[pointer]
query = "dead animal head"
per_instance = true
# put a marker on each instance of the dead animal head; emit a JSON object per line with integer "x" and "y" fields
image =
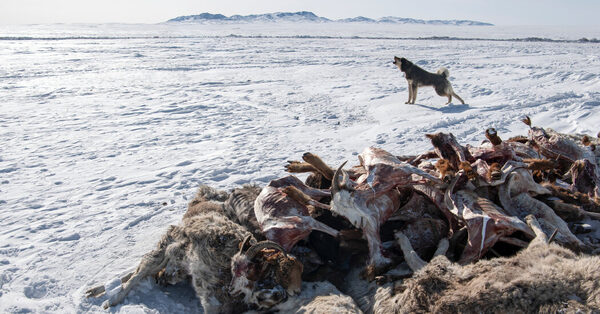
{"x": 264, "y": 273}
{"x": 344, "y": 184}
{"x": 445, "y": 169}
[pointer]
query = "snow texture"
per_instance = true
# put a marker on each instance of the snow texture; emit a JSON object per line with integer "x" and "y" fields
{"x": 107, "y": 130}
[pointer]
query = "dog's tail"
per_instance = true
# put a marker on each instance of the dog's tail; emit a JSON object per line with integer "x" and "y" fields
{"x": 443, "y": 72}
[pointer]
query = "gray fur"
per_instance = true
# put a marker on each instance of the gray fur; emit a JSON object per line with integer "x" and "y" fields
{"x": 200, "y": 248}
{"x": 541, "y": 278}
{"x": 240, "y": 205}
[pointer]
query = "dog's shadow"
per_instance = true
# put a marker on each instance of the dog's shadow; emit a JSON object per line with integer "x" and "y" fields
{"x": 447, "y": 108}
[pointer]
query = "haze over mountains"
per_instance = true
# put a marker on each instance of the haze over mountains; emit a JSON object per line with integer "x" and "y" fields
{"x": 305, "y": 16}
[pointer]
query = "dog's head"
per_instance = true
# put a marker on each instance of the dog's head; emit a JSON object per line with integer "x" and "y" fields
{"x": 402, "y": 63}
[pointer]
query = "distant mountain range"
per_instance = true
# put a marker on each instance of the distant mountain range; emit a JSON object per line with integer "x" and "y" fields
{"x": 305, "y": 16}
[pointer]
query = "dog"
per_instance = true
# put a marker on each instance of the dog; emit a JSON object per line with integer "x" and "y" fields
{"x": 417, "y": 77}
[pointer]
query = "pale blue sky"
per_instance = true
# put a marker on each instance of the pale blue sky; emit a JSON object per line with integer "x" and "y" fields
{"x": 499, "y": 12}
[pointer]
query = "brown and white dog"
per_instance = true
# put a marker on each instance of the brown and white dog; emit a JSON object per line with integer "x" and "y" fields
{"x": 417, "y": 77}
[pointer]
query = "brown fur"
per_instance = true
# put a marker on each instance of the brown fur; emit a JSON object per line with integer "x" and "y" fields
{"x": 466, "y": 167}
{"x": 207, "y": 199}
{"x": 493, "y": 137}
{"x": 445, "y": 169}
{"x": 587, "y": 203}
{"x": 585, "y": 140}
{"x": 542, "y": 169}
{"x": 288, "y": 271}
{"x": 297, "y": 195}
{"x": 518, "y": 139}
{"x": 319, "y": 164}
{"x": 540, "y": 164}
{"x": 540, "y": 277}
{"x": 294, "y": 166}
{"x": 200, "y": 248}
{"x": 494, "y": 172}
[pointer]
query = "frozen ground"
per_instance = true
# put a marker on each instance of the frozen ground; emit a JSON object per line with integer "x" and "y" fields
{"x": 104, "y": 139}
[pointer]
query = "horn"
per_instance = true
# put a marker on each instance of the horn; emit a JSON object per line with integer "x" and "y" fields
{"x": 245, "y": 243}
{"x": 253, "y": 250}
{"x": 335, "y": 183}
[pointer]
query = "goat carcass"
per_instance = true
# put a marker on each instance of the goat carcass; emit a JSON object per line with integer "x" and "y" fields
{"x": 282, "y": 213}
{"x": 515, "y": 199}
{"x": 486, "y": 223}
{"x": 373, "y": 198}
{"x": 555, "y": 145}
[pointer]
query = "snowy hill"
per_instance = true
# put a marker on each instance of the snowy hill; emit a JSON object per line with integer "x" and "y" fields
{"x": 302, "y": 16}
{"x": 305, "y": 16}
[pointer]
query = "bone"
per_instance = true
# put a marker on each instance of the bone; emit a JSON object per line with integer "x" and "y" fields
{"x": 410, "y": 256}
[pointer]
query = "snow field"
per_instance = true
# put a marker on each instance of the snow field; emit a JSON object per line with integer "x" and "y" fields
{"x": 105, "y": 140}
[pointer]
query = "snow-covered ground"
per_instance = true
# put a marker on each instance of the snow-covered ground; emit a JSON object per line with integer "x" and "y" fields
{"x": 104, "y": 139}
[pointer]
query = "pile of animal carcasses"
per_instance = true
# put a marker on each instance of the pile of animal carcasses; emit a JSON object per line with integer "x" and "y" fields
{"x": 379, "y": 221}
{"x": 477, "y": 197}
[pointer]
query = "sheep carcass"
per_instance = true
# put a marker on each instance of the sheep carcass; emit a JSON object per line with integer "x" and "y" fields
{"x": 373, "y": 198}
{"x": 541, "y": 278}
{"x": 201, "y": 247}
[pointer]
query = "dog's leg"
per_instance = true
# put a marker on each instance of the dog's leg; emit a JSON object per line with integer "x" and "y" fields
{"x": 415, "y": 88}
{"x": 449, "y": 99}
{"x": 458, "y": 97}
{"x": 410, "y": 93}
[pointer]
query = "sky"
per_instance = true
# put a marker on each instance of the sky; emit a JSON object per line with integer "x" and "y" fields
{"x": 499, "y": 12}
